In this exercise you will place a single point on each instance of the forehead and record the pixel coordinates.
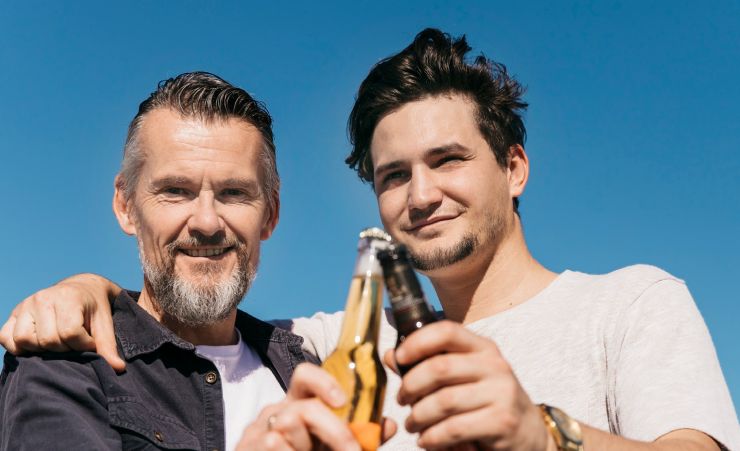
(170, 140)
(425, 124)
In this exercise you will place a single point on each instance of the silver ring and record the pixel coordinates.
(271, 421)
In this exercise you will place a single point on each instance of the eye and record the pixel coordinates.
(232, 192)
(450, 159)
(174, 191)
(394, 177)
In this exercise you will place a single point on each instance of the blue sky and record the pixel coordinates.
(633, 136)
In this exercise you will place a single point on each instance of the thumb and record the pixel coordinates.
(101, 328)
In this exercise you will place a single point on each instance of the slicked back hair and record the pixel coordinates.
(205, 97)
(434, 65)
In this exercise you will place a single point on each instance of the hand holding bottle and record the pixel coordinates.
(304, 419)
(462, 390)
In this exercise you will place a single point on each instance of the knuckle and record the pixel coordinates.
(68, 333)
(439, 367)
(447, 401)
(508, 421)
(452, 430)
(47, 342)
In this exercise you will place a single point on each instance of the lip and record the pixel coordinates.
(417, 226)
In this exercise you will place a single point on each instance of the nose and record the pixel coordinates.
(204, 218)
(424, 192)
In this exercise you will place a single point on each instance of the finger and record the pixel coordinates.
(445, 403)
(321, 423)
(465, 427)
(72, 326)
(45, 322)
(389, 358)
(446, 370)
(272, 441)
(437, 338)
(6, 335)
(290, 425)
(310, 381)
(24, 332)
(101, 328)
(389, 429)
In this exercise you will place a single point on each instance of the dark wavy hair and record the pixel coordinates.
(206, 97)
(435, 64)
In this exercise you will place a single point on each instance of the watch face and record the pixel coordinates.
(567, 425)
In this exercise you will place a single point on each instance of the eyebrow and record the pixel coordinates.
(169, 180)
(433, 152)
(177, 180)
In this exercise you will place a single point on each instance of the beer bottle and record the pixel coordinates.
(355, 362)
(410, 308)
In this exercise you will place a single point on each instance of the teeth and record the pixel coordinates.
(204, 252)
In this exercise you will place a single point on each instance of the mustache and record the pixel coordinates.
(220, 240)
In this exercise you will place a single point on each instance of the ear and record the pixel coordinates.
(122, 208)
(517, 170)
(271, 218)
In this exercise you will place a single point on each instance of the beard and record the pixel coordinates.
(201, 302)
(489, 234)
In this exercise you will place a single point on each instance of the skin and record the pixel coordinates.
(197, 179)
(437, 181)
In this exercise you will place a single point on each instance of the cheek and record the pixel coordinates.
(390, 208)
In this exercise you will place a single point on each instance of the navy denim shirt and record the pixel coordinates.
(168, 397)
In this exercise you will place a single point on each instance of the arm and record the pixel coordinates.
(304, 418)
(453, 363)
(74, 314)
(49, 403)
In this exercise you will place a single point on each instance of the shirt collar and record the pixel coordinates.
(139, 333)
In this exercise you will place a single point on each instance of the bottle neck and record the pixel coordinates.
(364, 303)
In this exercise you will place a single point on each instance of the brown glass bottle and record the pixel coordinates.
(355, 363)
(410, 308)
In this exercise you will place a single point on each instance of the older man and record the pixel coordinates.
(533, 360)
(198, 188)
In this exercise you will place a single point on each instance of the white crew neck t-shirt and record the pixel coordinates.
(627, 352)
(247, 385)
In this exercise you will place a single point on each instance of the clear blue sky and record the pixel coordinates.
(633, 133)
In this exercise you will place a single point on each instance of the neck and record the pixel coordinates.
(221, 333)
(491, 280)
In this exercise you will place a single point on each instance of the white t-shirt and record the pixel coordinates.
(626, 352)
(247, 385)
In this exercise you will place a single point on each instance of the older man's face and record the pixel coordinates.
(199, 214)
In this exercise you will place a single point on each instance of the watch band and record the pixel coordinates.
(564, 430)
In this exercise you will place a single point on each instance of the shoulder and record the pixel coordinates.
(626, 285)
(51, 372)
(320, 331)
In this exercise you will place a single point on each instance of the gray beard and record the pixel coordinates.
(197, 304)
(492, 231)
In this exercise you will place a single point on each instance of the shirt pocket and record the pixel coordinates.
(143, 429)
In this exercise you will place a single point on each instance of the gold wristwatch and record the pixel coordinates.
(565, 430)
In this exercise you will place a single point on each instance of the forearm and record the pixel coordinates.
(679, 440)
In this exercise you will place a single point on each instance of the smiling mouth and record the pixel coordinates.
(210, 252)
(420, 225)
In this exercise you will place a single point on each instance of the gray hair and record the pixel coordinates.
(206, 97)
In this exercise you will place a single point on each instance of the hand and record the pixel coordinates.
(463, 391)
(303, 419)
(74, 315)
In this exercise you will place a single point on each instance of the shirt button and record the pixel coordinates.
(211, 377)
(158, 435)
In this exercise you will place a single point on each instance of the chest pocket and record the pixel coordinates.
(143, 429)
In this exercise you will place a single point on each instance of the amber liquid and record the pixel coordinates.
(356, 364)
